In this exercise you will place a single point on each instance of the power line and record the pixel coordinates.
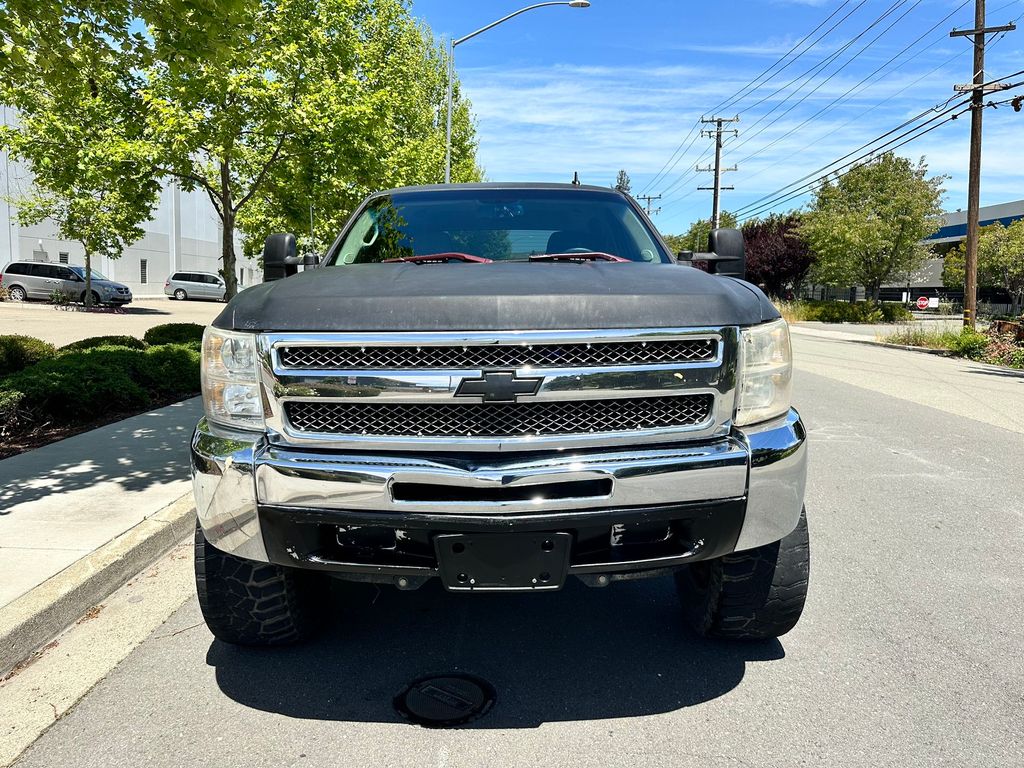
(904, 89)
(944, 111)
(816, 70)
(907, 137)
(748, 87)
(810, 73)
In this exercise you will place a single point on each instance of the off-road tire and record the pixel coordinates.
(249, 603)
(17, 293)
(753, 595)
(180, 294)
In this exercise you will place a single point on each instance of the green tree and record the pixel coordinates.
(622, 182)
(91, 171)
(696, 237)
(380, 130)
(1000, 262)
(866, 227)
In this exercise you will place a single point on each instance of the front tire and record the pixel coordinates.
(249, 603)
(752, 595)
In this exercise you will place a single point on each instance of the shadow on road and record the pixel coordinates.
(1008, 373)
(578, 654)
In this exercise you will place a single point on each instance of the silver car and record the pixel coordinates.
(39, 279)
(195, 285)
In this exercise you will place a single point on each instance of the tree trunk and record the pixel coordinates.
(875, 291)
(227, 253)
(88, 280)
(1015, 301)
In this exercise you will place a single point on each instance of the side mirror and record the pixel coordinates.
(279, 259)
(727, 246)
(310, 260)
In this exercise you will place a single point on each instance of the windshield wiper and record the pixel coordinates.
(579, 256)
(441, 258)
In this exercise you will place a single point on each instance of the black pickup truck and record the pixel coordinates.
(501, 386)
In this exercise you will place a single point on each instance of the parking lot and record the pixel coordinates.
(63, 325)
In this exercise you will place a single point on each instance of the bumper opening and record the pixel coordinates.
(432, 492)
(362, 546)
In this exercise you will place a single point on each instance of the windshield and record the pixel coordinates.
(497, 225)
(80, 271)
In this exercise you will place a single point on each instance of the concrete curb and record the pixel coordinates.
(44, 612)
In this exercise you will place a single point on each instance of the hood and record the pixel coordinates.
(106, 284)
(496, 297)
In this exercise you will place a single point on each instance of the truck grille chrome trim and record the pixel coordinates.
(512, 420)
(448, 357)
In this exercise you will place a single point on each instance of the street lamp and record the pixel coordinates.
(451, 70)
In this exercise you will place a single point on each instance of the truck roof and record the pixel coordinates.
(500, 185)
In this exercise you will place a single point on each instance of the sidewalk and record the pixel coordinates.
(60, 502)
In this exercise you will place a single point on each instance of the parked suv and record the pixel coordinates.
(501, 387)
(195, 285)
(39, 279)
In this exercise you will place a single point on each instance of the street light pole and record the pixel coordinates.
(451, 70)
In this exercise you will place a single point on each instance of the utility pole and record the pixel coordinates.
(978, 89)
(647, 203)
(716, 134)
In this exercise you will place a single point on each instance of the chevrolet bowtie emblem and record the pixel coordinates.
(499, 387)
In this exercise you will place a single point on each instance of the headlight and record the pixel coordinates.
(765, 372)
(231, 390)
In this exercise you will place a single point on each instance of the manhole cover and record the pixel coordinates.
(441, 701)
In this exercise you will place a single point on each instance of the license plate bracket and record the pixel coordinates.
(503, 562)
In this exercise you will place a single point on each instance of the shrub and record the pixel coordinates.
(171, 369)
(19, 352)
(968, 343)
(103, 341)
(896, 313)
(83, 385)
(80, 386)
(174, 333)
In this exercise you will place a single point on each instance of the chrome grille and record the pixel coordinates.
(524, 419)
(563, 355)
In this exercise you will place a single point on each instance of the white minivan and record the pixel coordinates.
(195, 285)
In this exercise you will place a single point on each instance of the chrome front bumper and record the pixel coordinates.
(233, 475)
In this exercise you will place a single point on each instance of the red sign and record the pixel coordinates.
(922, 302)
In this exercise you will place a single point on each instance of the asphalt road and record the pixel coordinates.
(909, 653)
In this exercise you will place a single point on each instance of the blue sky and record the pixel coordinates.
(621, 84)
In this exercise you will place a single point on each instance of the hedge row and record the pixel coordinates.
(94, 377)
(19, 352)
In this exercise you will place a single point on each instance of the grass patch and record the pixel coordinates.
(989, 347)
(843, 312)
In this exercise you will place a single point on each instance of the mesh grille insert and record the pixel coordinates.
(500, 420)
(564, 355)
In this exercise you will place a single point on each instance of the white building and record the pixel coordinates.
(184, 234)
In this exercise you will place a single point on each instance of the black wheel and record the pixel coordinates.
(17, 293)
(180, 294)
(250, 603)
(754, 595)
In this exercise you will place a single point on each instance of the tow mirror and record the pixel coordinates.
(310, 260)
(726, 254)
(727, 245)
(279, 259)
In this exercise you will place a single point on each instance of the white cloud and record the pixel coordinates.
(539, 123)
